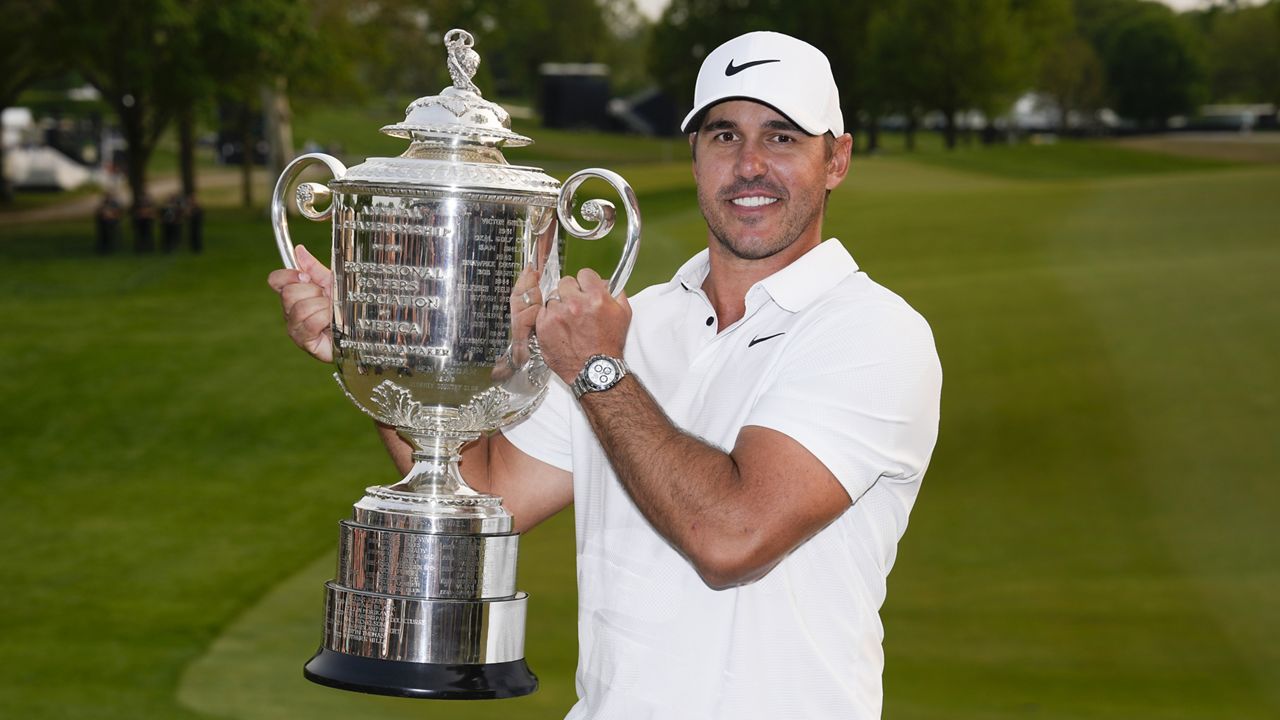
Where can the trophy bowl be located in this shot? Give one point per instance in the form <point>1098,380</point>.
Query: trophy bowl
<point>427,248</point>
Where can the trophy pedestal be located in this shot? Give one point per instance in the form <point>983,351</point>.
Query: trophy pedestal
<point>430,681</point>
<point>424,603</point>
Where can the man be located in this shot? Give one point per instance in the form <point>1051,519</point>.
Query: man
<point>742,445</point>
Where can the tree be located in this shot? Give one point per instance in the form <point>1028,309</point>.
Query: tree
<point>238,50</point>
<point>1072,74</point>
<point>690,29</point>
<point>128,54</point>
<point>951,55</point>
<point>958,55</point>
<point>403,52</point>
<point>899,66</point>
<point>26,55</point>
<point>1154,68</point>
<point>1244,54</point>
<point>627,52</point>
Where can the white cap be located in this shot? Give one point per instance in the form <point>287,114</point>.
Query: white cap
<point>790,75</point>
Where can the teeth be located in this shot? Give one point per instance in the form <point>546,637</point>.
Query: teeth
<point>754,201</point>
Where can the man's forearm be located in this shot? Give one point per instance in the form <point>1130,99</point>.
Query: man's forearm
<point>691,492</point>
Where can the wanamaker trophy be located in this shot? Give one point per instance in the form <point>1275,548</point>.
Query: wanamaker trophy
<point>427,247</point>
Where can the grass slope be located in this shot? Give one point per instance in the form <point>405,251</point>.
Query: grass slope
<point>1094,538</point>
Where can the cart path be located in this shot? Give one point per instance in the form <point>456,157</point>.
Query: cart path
<point>84,206</point>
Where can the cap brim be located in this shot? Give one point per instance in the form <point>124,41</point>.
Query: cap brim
<point>693,121</point>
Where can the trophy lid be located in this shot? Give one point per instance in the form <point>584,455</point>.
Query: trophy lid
<point>458,113</point>
<point>456,142</point>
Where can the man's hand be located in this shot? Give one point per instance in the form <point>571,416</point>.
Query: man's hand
<point>526,305</point>
<point>580,320</point>
<point>308,306</point>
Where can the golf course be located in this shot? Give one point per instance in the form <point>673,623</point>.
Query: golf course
<point>1097,535</point>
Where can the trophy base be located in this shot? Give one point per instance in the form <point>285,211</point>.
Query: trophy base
<point>434,681</point>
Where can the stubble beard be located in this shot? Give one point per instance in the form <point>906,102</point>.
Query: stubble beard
<point>797,219</point>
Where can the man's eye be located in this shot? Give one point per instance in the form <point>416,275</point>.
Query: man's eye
<point>725,136</point>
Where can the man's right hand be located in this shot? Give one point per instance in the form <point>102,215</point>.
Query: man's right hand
<point>308,306</point>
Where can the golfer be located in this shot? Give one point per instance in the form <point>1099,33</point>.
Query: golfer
<point>742,445</point>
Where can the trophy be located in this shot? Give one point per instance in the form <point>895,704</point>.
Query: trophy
<point>427,247</point>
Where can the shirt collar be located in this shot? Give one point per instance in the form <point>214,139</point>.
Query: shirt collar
<point>794,286</point>
<point>694,271</point>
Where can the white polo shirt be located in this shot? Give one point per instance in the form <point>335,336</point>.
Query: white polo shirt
<point>833,360</point>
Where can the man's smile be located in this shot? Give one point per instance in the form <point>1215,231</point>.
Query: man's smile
<point>754,201</point>
<point>749,195</point>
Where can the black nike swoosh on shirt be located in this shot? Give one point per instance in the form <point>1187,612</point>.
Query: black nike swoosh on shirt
<point>732,69</point>
<point>762,339</point>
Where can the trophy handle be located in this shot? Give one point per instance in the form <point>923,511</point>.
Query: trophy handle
<point>305,197</point>
<point>601,212</point>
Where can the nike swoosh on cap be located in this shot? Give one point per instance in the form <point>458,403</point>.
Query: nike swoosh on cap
<point>732,69</point>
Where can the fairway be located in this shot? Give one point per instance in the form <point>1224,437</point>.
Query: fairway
<point>1095,537</point>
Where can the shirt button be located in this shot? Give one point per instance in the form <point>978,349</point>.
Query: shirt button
<point>711,321</point>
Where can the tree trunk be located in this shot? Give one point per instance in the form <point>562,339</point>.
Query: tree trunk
<point>279,125</point>
<point>912,123</point>
<point>854,126</point>
<point>246,156</point>
<point>137,153</point>
<point>949,129</point>
<point>6,189</point>
<point>873,134</point>
<point>187,151</point>
<point>1063,112</point>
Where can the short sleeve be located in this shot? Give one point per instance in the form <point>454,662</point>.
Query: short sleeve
<point>545,433</point>
<point>861,391</point>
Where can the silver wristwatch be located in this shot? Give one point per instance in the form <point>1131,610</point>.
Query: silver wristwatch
<point>599,374</point>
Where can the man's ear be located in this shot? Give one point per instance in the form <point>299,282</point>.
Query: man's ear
<point>838,165</point>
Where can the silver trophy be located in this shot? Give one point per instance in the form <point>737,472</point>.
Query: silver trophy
<point>426,250</point>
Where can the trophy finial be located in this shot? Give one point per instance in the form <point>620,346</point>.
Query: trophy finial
<point>463,61</point>
<point>458,112</point>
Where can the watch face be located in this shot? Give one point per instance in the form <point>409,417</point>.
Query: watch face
<point>602,373</point>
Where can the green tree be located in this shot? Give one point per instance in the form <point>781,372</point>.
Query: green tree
<point>27,54</point>
<point>1243,54</point>
<point>1154,66</point>
<point>952,56</point>
<point>1073,76</point>
<point>626,53</point>
<point>957,55</point>
<point>403,51</point>
<point>690,29</point>
<point>237,50</point>
<point>899,66</point>
<point>129,55</point>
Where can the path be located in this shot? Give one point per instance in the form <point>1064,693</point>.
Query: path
<point>85,205</point>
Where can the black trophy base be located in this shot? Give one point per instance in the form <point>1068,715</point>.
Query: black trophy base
<point>430,681</point>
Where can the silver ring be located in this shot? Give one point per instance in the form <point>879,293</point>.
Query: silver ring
<point>525,297</point>
<point>553,296</point>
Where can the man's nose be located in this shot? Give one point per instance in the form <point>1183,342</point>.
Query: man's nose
<point>751,162</point>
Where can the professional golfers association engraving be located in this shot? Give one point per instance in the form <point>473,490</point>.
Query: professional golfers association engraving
<point>427,248</point>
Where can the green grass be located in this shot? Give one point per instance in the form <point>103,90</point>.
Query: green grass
<point>1095,538</point>
<point>1063,160</point>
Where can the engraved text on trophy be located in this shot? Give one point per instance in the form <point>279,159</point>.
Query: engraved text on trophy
<point>423,293</point>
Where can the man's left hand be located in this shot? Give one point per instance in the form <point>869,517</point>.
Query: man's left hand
<point>582,319</point>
